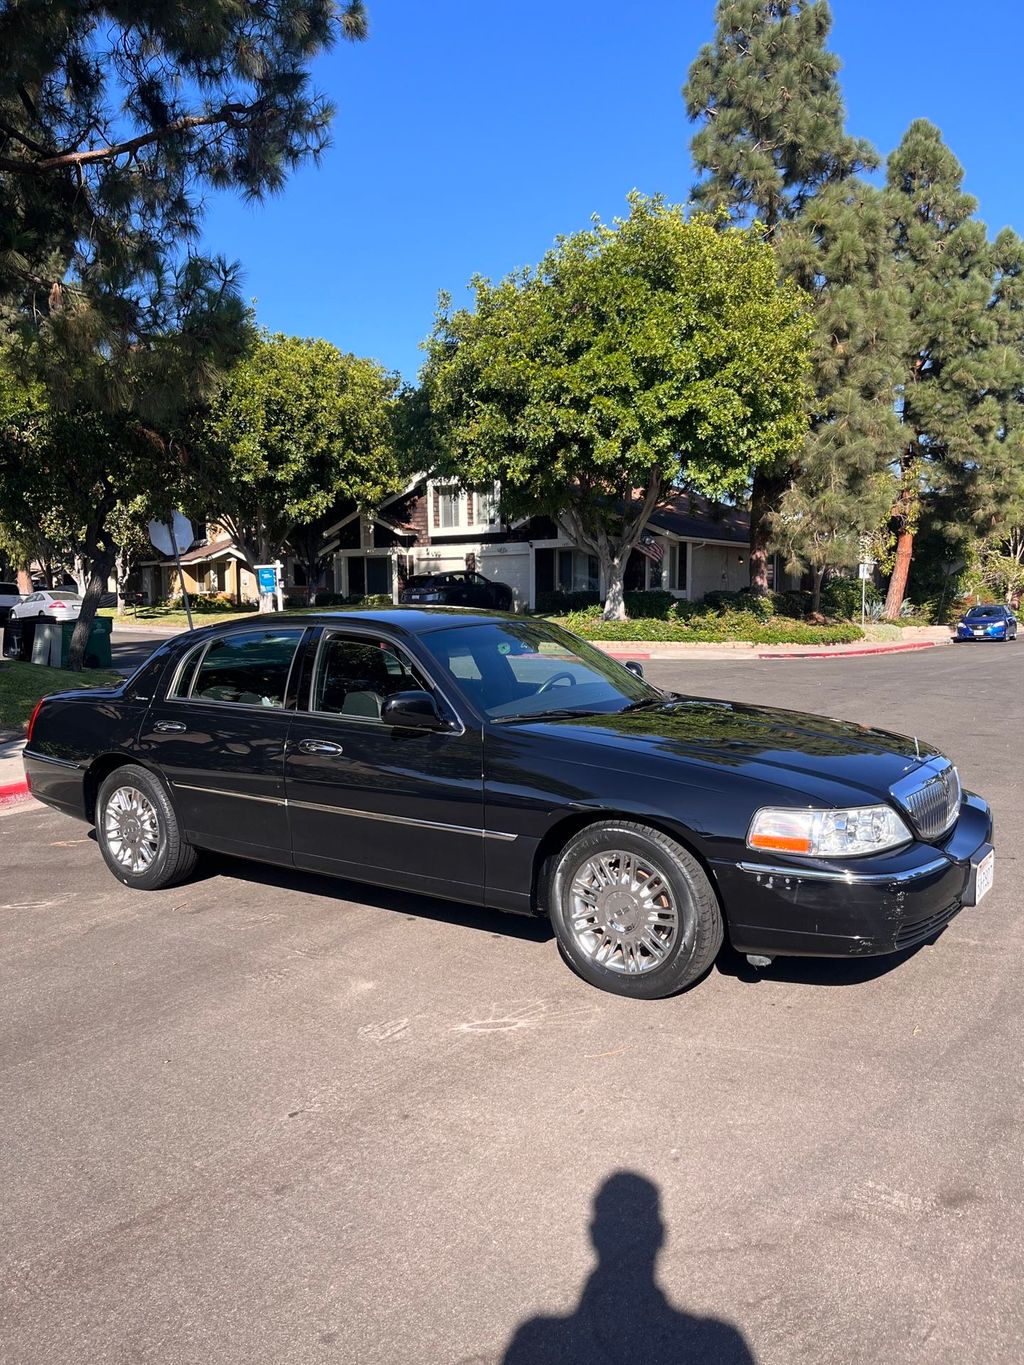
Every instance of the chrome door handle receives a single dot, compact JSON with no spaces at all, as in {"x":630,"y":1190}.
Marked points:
{"x":324,"y":747}
{"x":169,"y":726}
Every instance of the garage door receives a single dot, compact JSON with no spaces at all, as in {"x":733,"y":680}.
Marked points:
{"x":508,"y":564}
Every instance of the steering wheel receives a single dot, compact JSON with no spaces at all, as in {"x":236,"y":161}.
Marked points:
{"x":550,"y":682}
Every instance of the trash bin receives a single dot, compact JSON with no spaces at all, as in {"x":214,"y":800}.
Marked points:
{"x":97,"y":647}
{"x":44,"y":646}
{"x":12,"y":638}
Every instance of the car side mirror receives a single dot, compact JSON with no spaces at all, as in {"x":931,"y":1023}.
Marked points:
{"x":635,"y":667}
{"x":413,"y":710}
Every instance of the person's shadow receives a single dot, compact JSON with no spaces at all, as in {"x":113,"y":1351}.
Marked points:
{"x":622,"y":1314}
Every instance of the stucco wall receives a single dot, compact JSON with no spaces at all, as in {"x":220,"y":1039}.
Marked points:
{"x":715,"y":568}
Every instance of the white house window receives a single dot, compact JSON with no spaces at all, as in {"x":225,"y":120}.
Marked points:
{"x":449,"y":505}
{"x":488,"y":505}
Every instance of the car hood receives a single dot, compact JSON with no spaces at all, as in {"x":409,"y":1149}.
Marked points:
{"x":773,"y":744}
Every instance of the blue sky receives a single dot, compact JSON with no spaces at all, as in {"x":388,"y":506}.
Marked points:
{"x":470,"y":133}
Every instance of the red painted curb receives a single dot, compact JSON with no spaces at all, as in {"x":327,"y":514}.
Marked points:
{"x":16,"y":791}
{"x":855,"y":653}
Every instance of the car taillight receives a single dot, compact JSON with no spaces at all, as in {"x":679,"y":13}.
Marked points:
{"x":58,"y":606}
{"x":32,"y":720}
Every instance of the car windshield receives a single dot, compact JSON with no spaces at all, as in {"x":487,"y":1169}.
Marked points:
{"x":984,"y":613}
{"x":519,"y":670}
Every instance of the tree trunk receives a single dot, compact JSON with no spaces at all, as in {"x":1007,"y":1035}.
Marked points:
{"x":24,"y":580}
{"x":900,"y":573}
{"x":819,"y":577}
{"x":613,"y":571}
{"x":100,"y":564}
{"x":765,"y":493}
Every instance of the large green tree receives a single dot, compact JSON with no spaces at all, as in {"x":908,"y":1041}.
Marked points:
{"x":73,"y":468}
{"x":955,"y":371}
{"x":839,"y":252}
{"x":766,"y":95}
{"x":297,"y":427}
{"x":634,"y":356}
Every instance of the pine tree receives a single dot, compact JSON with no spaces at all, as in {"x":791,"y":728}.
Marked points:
{"x":953,"y":373}
{"x":767,"y":96}
{"x":839,"y":252}
{"x":115,"y":120}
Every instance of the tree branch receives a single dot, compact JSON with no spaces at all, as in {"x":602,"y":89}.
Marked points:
{"x":227,"y":114}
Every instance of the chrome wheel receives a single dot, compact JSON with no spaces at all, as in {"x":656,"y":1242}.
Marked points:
{"x":623,"y":912}
{"x":131,"y":829}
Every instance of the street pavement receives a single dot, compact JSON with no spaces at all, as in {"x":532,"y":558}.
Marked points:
{"x":267,"y":1117}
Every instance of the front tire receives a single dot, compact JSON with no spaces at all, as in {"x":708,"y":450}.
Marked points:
{"x":138,"y":831}
{"x":632,"y":910}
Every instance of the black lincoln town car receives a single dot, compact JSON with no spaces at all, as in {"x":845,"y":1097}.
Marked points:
{"x":493,"y":759}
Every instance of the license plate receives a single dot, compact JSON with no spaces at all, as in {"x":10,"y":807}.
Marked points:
{"x":986,"y":876}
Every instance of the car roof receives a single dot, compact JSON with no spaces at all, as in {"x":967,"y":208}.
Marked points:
{"x":407,"y":620}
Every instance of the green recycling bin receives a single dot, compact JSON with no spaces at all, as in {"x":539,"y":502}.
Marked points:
{"x":97,"y":647}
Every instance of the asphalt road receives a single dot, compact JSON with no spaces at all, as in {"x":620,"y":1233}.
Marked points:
{"x":266,"y":1117}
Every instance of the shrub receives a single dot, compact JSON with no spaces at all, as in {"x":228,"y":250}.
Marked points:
{"x":651,"y":604}
{"x":841,"y":597}
{"x":558,"y":603}
{"x":203,"y":601}
{"x":710,"y":628}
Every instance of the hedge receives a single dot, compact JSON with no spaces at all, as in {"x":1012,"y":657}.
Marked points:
{"x":711,"y":629}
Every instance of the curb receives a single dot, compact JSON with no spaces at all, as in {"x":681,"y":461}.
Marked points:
{"x":855,"y":653}
{"x":13,"y":793}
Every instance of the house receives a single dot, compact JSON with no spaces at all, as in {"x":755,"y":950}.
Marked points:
{"x":212,"y":564}
{"x":693,"y":547}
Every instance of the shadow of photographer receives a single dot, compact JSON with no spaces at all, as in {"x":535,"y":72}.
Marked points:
{"x":623,"y":1315}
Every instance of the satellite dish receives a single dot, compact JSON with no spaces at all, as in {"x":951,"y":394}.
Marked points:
{"x":160,"y":534}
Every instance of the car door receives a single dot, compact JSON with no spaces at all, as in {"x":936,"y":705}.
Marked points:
{"x":217,"y":732}
{"x":371,"y":801}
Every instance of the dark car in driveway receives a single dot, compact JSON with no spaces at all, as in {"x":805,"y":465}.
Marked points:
{"x":498,"y":760}
{"x":460,"y":588}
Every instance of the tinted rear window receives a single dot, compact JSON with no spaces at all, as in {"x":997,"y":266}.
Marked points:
{"x":66,"y":596}
{"x":8,"y":588}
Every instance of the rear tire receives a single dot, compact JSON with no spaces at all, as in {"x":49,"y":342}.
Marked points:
{"x":633,"y":911}
{"x":138,"y":831}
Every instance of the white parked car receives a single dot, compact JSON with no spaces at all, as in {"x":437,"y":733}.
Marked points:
{"x":55,"y":605}
{"x":9,"y":597}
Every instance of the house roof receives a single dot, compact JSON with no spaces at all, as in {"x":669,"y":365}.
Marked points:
{"x":693,"y":517}
{"x":215,"y":549}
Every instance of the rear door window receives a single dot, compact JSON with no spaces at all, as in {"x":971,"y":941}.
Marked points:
{"x":248,"y":668}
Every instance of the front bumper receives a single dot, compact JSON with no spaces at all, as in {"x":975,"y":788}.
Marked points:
{"x":989,"y":633}
{"x":879,"y":905}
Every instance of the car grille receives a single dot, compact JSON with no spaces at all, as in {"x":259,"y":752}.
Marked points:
{"x":921,"y":929}
{"x":932,"y":804}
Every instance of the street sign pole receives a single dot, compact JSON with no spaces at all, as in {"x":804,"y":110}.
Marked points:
{"x":863,"y":600}
{"x":181,"y":576}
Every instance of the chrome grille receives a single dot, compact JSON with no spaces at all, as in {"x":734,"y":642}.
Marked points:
{"x":932,"y":801}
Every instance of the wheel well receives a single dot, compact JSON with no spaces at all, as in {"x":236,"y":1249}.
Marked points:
{"x":102,"y":767}
{"x":559,"y":835}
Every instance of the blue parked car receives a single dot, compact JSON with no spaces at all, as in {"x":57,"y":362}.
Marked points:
{"x":986,"y":622}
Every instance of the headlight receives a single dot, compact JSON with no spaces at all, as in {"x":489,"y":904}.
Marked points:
{"x":828,"y":833}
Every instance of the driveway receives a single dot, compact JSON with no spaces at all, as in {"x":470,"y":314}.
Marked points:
{"x":267,"y":1117}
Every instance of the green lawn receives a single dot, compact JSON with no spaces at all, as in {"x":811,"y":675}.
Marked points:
{"x":175,"y":616}
{"x":21,"y":686}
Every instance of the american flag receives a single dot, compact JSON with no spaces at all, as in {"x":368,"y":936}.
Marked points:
{"x":653,"y":549}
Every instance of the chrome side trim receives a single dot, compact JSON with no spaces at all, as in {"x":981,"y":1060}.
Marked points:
{"x":816,"y":874}
{"x":403,"y":820}
{"x":57,"y":762}
{"x":348,"y":810}
{"x":220,"y":791}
